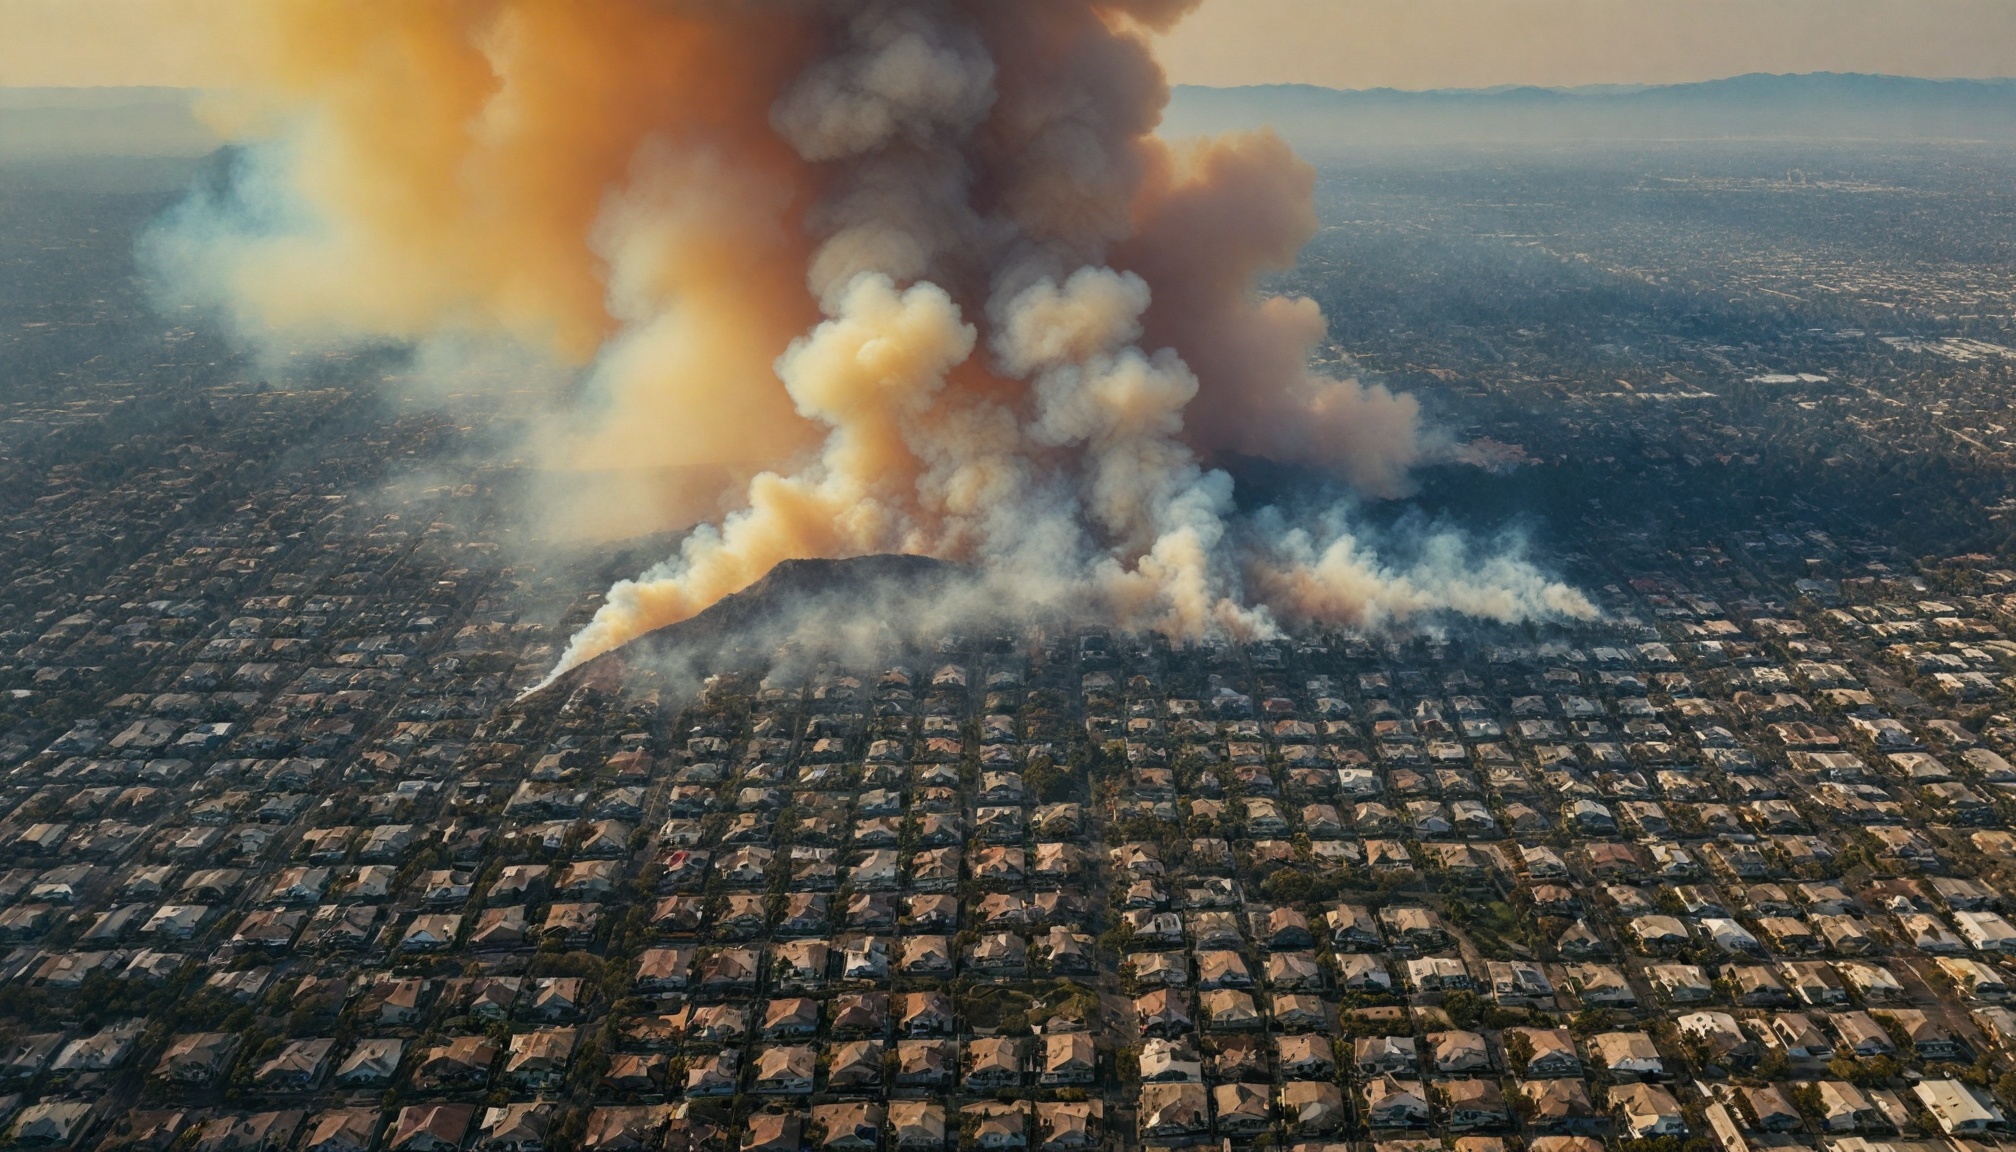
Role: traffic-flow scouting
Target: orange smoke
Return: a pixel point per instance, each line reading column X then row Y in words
column 1218, row 215
column 923, row 261
column 592, row 180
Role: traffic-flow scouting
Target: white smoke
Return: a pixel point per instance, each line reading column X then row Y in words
column 1081, row 487
column 920, row 267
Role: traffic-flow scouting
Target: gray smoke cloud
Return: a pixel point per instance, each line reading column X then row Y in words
column 921, row 269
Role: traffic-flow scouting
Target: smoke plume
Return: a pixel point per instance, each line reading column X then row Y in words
column 922, row 266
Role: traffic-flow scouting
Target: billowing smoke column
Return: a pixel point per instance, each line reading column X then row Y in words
column 924, row 260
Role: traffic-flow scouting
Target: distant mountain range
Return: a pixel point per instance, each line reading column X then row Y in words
column 1820, row 105
column 75, row 123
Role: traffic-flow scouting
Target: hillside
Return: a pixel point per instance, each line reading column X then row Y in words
column 860, row 603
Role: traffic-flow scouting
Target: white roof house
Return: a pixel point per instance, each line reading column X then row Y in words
column 1986, row 931
column 1958, row 1107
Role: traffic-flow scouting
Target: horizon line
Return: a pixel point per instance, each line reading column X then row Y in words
column 1485, row 89
column 1620, row 87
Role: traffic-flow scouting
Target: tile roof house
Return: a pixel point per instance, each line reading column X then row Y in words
column 342, row 1130
column 1068, row 1058
column 1242, row 1109
column 1391, row 1102
column 993, row 1062
column 372, row 1062
column 1170, row 1111
column 1557, row 1105
column 540, row 1058
column 1312, row 1107
column 431, row 1127
column 1646, row 1110
column 196, row 1058
column 917, row 1125
column 847, row 1127
column 514, row 1127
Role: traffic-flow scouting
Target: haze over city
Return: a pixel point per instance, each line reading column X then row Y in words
column 931, row 575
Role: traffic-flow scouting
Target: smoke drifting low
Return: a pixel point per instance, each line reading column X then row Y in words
column 923, row 264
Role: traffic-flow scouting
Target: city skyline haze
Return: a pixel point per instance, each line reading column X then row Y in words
column 1405, row 44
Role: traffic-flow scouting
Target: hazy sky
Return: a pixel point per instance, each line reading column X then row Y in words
column 1343, row 43
column 1478, row 43
column 69, row 42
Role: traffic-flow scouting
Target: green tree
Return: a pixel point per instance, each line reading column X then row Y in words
column 1465, row 1008
column 1871, row 1072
